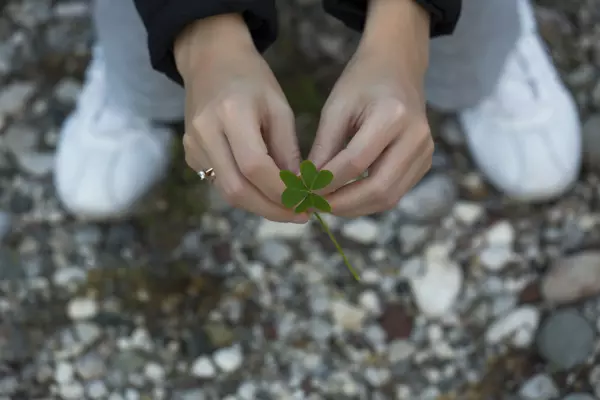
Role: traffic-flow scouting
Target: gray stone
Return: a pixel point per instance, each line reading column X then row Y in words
column 565, row 339
column 430, row 200
column 539, row 387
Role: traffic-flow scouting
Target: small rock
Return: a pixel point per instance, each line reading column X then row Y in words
column 97, row 390
column 229, row 359
column 579, row 396
column 361, row 230
column 430, row 200
column 411, row 237
column 396, row 321
column 369, row 301
column 203, row 368
column 155, row 372
column 566, row 339
column 72, row 391
column 573, row 278
column 64, row 373
column 82, row 308
column 277, row 230
column 401, row 350
column 35, row 163
column 14, row 96
column 518, row 325
column 275, row 253
column 377, row 377
column 539, row 387
column 500, row 234
column 438, row 288
column 347, row 316
column 468, row 213
column 494, row 258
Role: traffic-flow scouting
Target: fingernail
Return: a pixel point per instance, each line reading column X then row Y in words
column 301, row 219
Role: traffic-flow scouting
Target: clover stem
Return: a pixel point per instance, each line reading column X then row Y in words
column 337, row 246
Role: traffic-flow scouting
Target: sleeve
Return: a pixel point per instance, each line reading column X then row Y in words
column 165, row 19
column 444, row 13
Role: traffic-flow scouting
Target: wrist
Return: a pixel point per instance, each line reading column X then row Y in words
column 202, row 39
column 400, row 29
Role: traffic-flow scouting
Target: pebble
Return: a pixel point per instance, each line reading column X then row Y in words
column 579, row 396
column 401, row 350
column 72, row 391
column 361, row 230
column 437, row 290
column 518, row 325
column 430, row 200
column 64, row 373
column 539, row 387
column 203, row 368
column 572, row 278
column 369, row 301
column 347, row 315
column 411, row 237
column 500, row 234
column 468, row 213
column 495, row 258
column 97, row 390
column 14, row 96
column 82, row 308
column 155, row 372
column 229, row 359
column 275, row 253
column 278, row 230
column 566, row 339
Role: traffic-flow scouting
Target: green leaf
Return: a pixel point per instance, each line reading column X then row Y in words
column 305, row 205
column 323, row 179
column 290, row 197
column 309, row 172
column 320, row 203
column 292, row 180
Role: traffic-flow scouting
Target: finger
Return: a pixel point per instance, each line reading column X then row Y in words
column 234, row 187
column 243, row 132
column 400, row 167
column 333, row 130
column 280, row 132
column 376, row 133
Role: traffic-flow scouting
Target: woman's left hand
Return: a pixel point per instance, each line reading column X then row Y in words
column 378, row 102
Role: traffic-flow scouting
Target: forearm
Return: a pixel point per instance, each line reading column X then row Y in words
column 399, row 28
column 226, row 32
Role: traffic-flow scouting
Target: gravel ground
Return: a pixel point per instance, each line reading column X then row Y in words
column 465, row 295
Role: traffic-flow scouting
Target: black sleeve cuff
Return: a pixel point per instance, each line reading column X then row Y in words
column 353, row 13
column 165, row 22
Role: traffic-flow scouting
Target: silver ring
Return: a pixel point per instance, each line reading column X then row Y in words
column 207, row 173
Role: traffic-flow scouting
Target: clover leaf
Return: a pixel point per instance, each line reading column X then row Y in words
column 299, row 195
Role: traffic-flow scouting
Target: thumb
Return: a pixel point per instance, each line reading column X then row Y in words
column 331, row 134
column 281, row 137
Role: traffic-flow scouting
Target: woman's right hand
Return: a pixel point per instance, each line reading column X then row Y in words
column 237, row 118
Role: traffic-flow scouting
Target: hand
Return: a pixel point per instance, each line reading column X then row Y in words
column 379, row 102
column 237, row 118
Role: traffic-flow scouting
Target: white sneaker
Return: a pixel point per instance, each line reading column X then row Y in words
column 107, row 157
column 526, row 136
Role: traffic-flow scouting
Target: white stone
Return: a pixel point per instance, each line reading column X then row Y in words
column 82, row 308
column 361, row 230
column 279, row 230
column 468, row 213
column 155, row 372
column 203, row 368
column 437, row 290
column 347, row 316
column 229, row 359
column 64, row 373
column 401, row 350
column 518, row 326
column 97, row 390
column 72, row 391
column 495, row 258
column 370, row 302
column 500, row 234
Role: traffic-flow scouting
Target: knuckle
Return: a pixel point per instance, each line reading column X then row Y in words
column 357, row 166
column 381, row 195
column 395, row 109
column 231, row 104
column 188, row 142
column 234, row 191
column 251, row 166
